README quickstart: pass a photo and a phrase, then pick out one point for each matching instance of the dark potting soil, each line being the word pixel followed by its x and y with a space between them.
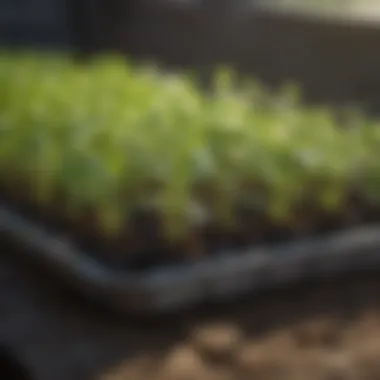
pixel 144 247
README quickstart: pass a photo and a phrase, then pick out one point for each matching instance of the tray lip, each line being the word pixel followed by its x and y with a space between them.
pixel 172 288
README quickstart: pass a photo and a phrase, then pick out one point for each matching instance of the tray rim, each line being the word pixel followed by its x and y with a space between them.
pixel 218 278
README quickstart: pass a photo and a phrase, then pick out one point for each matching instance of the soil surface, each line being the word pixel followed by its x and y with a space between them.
pixel 327 330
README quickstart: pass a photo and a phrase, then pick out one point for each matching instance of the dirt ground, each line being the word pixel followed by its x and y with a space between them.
pixel 327 330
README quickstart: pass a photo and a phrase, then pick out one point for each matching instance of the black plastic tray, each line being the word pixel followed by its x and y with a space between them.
pixel 215 279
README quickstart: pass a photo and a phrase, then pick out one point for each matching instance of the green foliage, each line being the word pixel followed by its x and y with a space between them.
pixel 111 137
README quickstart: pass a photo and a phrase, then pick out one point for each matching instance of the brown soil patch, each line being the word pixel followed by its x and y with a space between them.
pixel 327 330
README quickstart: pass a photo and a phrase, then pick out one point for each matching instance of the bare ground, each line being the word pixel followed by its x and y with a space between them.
pixel 317 331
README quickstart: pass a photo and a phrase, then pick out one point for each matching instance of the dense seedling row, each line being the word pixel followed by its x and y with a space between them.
pixel 133 162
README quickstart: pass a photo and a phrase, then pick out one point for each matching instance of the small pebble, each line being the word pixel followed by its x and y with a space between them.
pixel 265 360
pixel 317 333
pixel 217 342
pixel 337 366
pixel 366 361
pixel 183 363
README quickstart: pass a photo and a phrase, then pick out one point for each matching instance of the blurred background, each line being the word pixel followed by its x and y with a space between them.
pixel 330 47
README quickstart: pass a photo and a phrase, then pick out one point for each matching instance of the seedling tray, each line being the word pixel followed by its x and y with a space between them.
pixel 234 177
pixel 169 289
